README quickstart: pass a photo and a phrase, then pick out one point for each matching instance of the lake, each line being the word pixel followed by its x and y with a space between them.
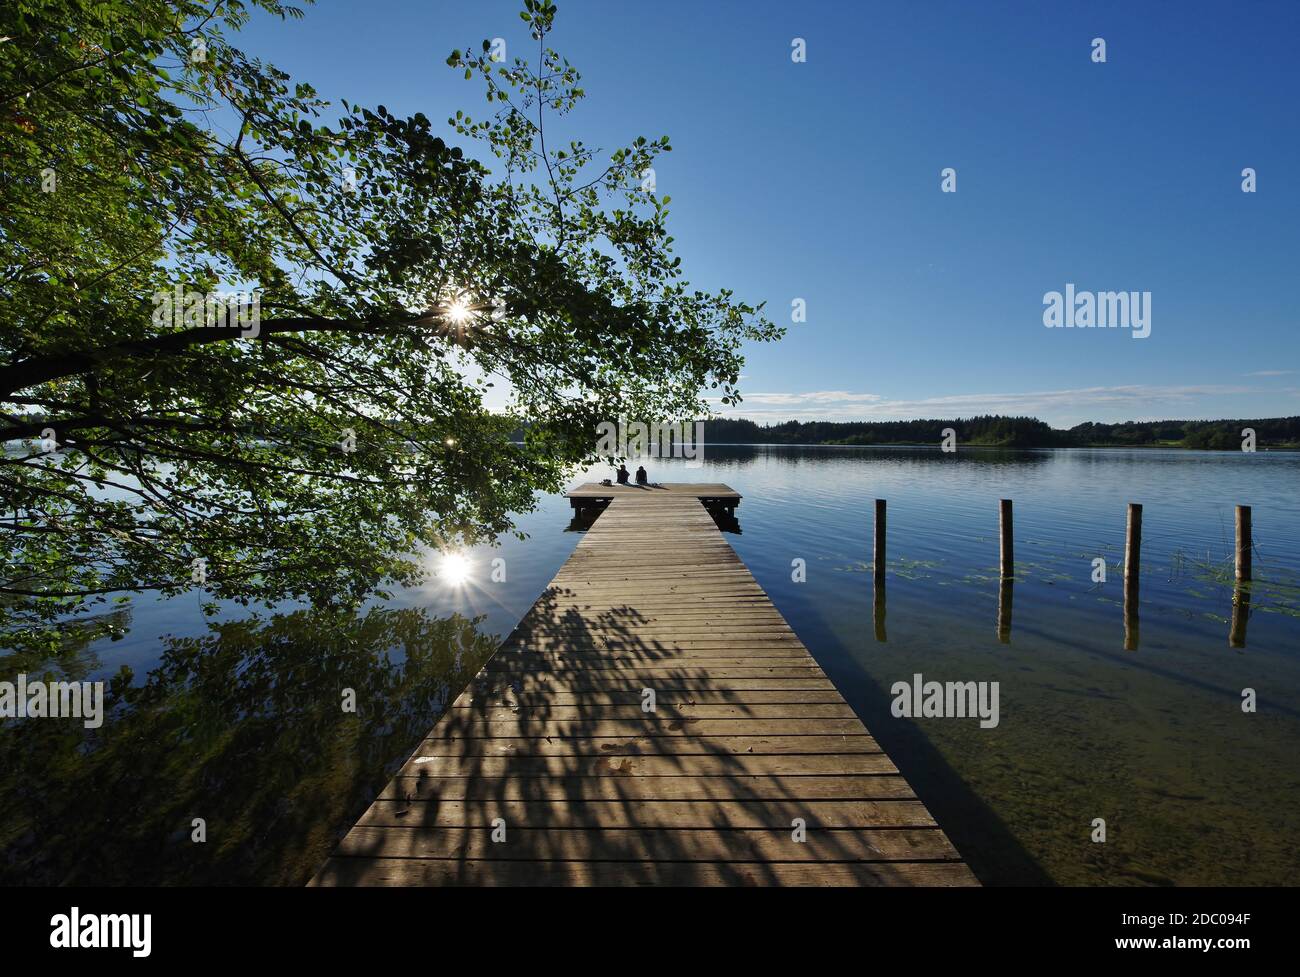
pixel 232 725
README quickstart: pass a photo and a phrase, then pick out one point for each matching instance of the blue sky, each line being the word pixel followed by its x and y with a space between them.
pixel 821 181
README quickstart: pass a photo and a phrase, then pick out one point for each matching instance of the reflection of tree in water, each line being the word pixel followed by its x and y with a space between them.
pixel 65 655
pixel 243 727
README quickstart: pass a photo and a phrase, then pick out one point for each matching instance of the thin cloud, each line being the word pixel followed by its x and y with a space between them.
pixel 1056 406
pixel 814 396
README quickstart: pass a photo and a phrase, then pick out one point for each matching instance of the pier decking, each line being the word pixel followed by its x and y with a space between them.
pixel 551 751
pixel 714 495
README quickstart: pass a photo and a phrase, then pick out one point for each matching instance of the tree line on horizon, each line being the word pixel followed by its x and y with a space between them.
pixel 990 430
pixel 1011 432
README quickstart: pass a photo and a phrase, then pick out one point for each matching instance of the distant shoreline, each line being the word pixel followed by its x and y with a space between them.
pixel 1001 431
pixel 979 444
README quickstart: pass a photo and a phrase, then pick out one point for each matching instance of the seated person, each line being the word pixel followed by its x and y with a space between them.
pixel 641 477
pixel 622 474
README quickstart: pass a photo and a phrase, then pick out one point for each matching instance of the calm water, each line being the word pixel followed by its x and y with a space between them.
pixel 237 720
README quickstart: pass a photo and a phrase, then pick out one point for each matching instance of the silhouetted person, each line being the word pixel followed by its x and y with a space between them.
pixel 641 477
pixel 622 474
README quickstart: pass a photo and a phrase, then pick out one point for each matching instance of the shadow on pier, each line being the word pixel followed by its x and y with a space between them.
pixel 552 769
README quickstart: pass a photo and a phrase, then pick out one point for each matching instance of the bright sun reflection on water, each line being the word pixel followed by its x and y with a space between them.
pixel 455 569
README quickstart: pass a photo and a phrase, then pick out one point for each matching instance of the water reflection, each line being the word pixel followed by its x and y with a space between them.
pixel 584 517
pixel 1005 592
pixel 1241 612
pixel 1131 613
pixel 1240 615
pixel 1198 810
pixel 723 457
pixel 725 520
pixel 74 657
pixel 245 727
pixel 878 609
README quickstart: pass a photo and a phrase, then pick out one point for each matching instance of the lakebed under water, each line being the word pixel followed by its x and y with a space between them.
pixel 235 720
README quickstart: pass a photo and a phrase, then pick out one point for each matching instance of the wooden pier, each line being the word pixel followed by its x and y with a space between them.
pixel 548 770
pixel 712 495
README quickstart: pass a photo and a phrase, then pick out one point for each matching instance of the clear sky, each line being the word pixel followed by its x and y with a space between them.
pixel 821 180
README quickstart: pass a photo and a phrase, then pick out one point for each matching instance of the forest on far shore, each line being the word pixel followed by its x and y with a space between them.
pixel 1013 432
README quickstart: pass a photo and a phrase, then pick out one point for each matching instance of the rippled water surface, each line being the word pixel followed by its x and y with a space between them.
pixel 236 719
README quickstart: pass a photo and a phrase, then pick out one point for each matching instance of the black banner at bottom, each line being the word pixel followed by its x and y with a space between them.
pixel 142 927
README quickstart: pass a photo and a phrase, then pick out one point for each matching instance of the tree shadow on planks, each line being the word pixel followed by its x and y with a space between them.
pixel 584 517
pixel 548 770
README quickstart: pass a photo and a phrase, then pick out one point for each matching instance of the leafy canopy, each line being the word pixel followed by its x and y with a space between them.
pixel 398 278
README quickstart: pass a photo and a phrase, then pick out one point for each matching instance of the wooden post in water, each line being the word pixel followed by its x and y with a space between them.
pixel 1133 543
pixel 1132 574
pixel 1004 530
pixel 1240 594
pixel 1243 542
pixel 878 571
pixel 878 564
pixel 1007 566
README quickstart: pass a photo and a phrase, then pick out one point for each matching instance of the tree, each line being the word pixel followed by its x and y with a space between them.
pixel 309 449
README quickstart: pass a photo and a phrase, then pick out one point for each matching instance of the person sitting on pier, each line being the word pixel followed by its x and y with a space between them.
pixel 622 474
pixel 641 477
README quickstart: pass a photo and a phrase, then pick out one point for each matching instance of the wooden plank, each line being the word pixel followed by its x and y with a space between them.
pixel 603 814
pixel 652 651
pixel 715 667
pixel 747 742
pixel 700 845
pixel 643 745
pixel 690 765
pixel 459 727
pixel 689 490
pixel 667 697
pixel 636 647
pixel 448 872
pixel 729 786
pixel 622 679
pixel 500 711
